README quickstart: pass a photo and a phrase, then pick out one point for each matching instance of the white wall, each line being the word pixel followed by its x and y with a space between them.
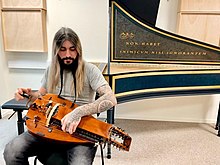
pixel 167 15
pixel 89 18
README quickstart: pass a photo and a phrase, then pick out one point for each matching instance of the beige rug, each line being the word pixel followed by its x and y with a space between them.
pixel 153 143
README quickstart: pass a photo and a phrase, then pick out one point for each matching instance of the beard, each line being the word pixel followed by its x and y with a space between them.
pixel 68 66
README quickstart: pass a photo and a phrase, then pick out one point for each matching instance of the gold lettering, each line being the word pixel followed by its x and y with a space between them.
pixel 134 43
pixel 154 52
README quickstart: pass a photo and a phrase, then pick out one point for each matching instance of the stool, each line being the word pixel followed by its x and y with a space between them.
pixel 18 107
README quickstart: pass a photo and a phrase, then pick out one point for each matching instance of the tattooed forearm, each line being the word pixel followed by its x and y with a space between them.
pixel 105 101
pixel 104 105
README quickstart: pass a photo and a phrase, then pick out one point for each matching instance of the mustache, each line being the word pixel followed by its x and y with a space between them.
pixel 68 58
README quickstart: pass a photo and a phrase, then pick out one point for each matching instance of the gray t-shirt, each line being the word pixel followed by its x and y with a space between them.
pixel 92 81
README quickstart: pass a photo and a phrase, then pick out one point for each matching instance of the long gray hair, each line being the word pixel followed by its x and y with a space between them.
pixel 54 73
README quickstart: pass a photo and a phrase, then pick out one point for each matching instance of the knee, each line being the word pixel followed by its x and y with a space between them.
pixel 10 152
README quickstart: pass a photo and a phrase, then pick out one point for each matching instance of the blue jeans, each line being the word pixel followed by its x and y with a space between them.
pixel 26 145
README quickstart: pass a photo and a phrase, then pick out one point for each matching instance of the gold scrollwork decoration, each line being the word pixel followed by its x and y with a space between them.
pixel 127 35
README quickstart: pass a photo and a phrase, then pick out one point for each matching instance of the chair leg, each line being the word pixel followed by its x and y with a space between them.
pixel 0 113
pixel 35 160
pixel 217 126
pixel 110 120
pixel 102 156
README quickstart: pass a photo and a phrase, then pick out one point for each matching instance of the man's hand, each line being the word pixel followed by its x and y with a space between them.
pixel 21 91
pixel 70 122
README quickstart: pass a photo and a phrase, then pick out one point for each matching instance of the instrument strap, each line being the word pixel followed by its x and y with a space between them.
pixel 74 79
pixel 61 82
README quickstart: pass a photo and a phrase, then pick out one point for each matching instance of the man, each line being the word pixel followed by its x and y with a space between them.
pixel 71 77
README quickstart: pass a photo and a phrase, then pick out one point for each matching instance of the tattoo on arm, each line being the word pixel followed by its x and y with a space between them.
pixel 105 105
pixel 105 101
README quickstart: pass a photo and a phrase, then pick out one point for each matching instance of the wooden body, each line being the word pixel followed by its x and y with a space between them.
pixel 45 114
pixel 37 119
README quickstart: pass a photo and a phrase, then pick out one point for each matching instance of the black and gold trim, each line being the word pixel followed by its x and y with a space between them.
pixel 149 84
pixel 135 41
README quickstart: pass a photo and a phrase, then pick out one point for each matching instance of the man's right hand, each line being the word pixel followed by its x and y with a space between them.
pixel 20 92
